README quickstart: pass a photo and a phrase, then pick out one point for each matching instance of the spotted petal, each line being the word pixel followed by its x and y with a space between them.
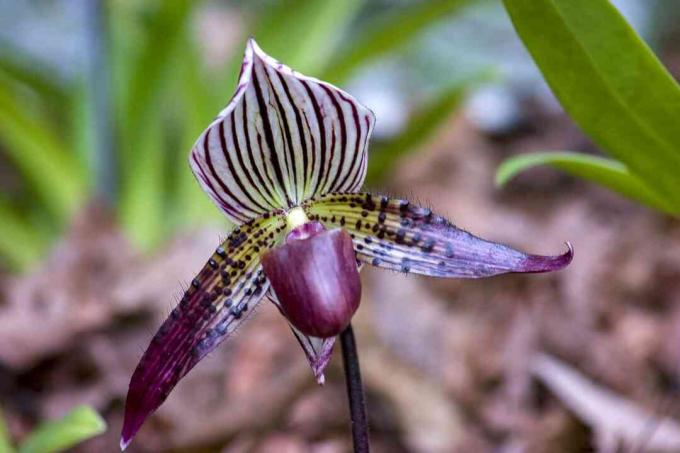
pixel 317 350
pixel 282 139
pixel 394 234
pixel 217 301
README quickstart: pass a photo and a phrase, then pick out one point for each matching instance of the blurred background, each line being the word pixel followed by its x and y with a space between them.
pixel 102 223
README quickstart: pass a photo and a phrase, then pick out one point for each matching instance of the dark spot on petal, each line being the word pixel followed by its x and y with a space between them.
pixel 236 312
pixel 428 246
pixel 221 328
pixel 403 207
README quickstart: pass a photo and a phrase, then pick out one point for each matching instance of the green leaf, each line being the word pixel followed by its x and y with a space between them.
pixel 191 206
pixel 78 425
pixel 32 73
pixel 419 130
pixel 610 83
pixel 142 201
pixel 303 34
pixel 81 138
pixel 39 153
pixel 5 441
pixel 387 33
pixel 20 244
pixel 606 172
pixel 141 116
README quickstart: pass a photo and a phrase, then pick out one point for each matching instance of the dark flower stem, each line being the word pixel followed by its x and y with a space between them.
pixel 355 391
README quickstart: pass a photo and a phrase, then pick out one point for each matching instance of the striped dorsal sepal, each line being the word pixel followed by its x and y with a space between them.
pixel 282 139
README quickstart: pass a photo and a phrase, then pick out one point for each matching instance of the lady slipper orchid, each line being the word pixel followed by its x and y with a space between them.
pixel 284 161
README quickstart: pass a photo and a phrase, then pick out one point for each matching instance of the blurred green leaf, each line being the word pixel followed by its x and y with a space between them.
pixel 421 128
pixel 303 33
pixel 610 83
pixel 192 206
pixel 81 135
pixel 387 33
pixel 5 441
pixel 142 204
pixel 22 68
pixel 164 27
pixel 141 116
pixel 78 425
pixel 53 172
pixel 20 244
pixel 606 172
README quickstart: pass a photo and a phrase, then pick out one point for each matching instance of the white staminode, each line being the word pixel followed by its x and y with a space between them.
pixel 295 218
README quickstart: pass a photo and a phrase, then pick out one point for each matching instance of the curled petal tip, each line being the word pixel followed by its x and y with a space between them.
pixel 252 46
pixel 131 424
pixel 540 263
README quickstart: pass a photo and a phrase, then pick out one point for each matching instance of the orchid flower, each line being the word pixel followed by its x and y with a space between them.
pixel 285 161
